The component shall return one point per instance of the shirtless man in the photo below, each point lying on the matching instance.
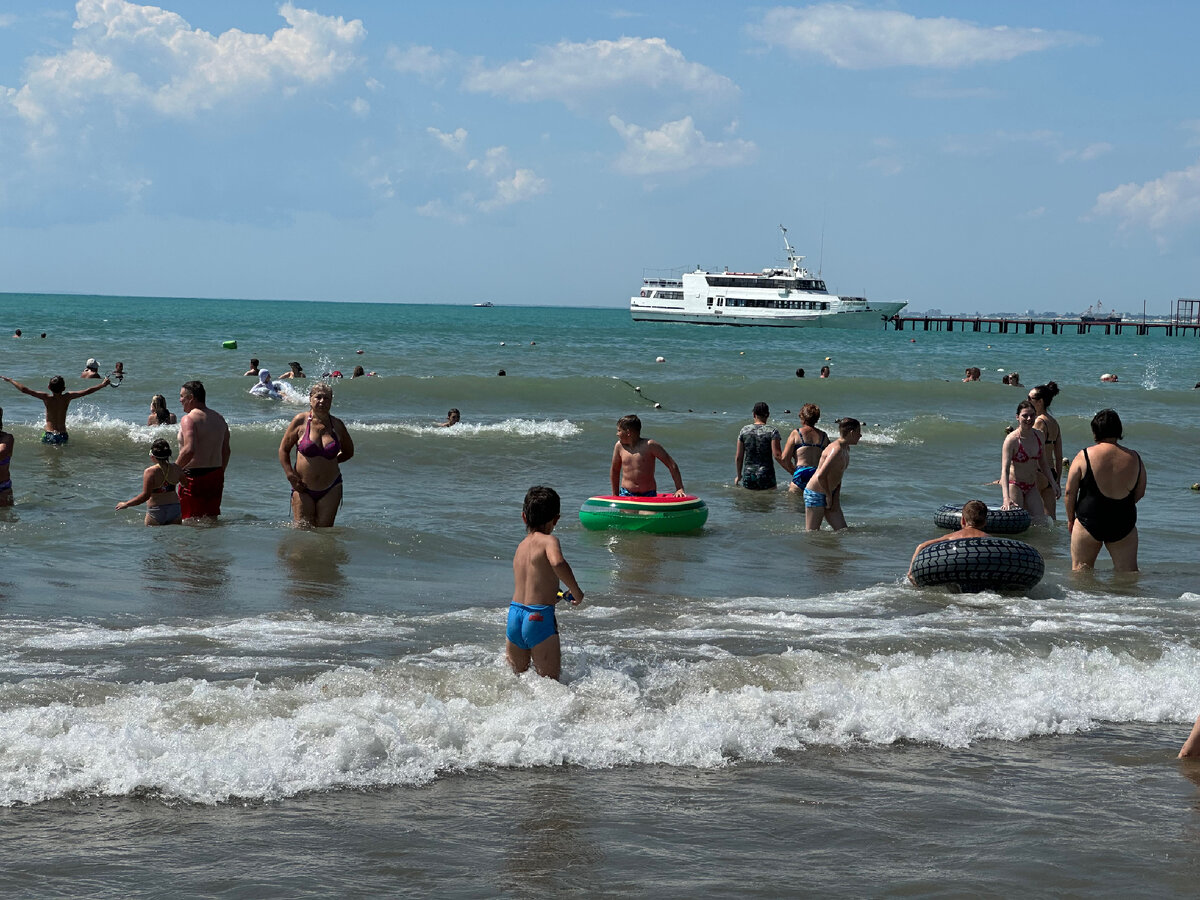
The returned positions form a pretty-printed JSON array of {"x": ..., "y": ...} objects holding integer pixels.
[
  {"x": 203, "y": 454},
  {"x": 974, "y": 516},
  {"x": 632, "y": 472},
  {"x": 823, "y": 495},
  {"x": 56, "y": 400}
]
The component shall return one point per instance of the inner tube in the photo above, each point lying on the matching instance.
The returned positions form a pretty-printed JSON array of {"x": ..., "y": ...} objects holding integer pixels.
[
  {"x": 999, "y": 521},
  {"x": 229, "y": 345},
  {"x": 661, "y": 514},
  {"x": 979, "y": 564}
]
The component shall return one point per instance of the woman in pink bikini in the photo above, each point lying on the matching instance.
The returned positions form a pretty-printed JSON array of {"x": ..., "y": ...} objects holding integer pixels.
[
  {"x": 322, "y": 443},
  {"x": 1022, "y": 457}
]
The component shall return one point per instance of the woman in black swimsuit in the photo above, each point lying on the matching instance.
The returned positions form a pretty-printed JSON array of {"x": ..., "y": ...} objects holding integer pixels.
[{"x": 1104, "y": 485}]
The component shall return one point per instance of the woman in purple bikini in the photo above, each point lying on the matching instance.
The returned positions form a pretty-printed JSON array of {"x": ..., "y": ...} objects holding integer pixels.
[{"x": 322, "y": 443}]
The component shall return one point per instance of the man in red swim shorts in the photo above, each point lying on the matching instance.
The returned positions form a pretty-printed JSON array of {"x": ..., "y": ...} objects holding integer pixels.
[{"x": 203, "y": 454}]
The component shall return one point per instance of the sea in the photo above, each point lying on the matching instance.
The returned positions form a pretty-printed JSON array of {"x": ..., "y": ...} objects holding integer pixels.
[{"x": 251, "y": 710}]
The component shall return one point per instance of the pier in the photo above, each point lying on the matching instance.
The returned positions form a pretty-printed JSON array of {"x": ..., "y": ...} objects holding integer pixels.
[{"x": 1186, "y": 321}]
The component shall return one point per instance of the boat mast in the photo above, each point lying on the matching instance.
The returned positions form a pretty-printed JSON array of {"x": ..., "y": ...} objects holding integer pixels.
[{"x": 793, "y": 259}]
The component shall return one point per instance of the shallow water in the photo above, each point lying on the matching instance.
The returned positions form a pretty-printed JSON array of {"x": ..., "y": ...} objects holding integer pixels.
[{"x": 752, "y": 708}]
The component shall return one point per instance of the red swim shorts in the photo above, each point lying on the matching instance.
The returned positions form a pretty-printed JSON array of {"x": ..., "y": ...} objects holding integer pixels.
[{"x": 200, "y": 494}]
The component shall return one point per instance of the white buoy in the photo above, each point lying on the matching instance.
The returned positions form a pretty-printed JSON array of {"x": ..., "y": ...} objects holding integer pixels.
[{"x": 660, "y": 359}]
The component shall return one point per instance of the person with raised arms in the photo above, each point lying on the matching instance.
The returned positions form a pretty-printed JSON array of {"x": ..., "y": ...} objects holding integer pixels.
[{"x": 56, "y": 400}]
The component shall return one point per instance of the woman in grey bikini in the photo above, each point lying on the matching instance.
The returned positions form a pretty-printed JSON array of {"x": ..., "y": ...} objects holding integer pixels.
[{"x": 158, "y": 488}]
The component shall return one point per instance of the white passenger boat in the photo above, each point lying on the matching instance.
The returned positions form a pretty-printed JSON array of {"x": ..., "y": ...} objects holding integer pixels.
[{"x": 791, "y": 297}]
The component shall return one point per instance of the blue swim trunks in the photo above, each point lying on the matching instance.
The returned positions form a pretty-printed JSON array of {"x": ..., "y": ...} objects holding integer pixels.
[
  {"x": 528, "y": 626},
  {"x": 813, "y": 498},
  {"x": 624, "y": 492},
  {"x": 54, "y": 437},
  {"x": 802, "y": 475}
]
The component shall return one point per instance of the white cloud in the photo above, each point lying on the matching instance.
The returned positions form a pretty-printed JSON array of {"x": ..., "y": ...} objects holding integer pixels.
[
  {"x": 423, "y": 61},
  {"x": 453, "y": 141},
  {"x": 126, "y": 56},
  {"x": 576, "y": 73},
  {"x": 7, "y": 20},
  {"x": 501, "y": 183},
  {"x": 854, "y": 38},
  {"x": 984, "y": 145},
  {"x": 360, "y": 107},
  {"x": 675, "y": 147},
  {"x": 1159, "y": 205}
]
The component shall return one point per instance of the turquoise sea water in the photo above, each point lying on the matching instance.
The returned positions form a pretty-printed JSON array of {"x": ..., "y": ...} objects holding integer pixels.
[{"x": 198, "y": 685}]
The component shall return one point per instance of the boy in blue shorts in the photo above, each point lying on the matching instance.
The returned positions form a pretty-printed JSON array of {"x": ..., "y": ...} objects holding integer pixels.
[{"x": 538, "y": 567}]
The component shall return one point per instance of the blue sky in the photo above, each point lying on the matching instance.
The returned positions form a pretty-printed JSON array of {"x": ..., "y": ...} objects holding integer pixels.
[{"x": 963, "y": 156}]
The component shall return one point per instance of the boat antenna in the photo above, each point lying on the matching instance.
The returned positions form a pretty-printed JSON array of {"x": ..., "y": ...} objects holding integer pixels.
[{"x": 793, "y": 259}]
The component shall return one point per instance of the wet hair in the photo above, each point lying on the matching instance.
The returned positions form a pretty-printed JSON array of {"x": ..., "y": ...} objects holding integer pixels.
[
  {"x": 196, "y": 389},
  {"x": 453, "y": 412},
  {"x": 1045, "y": 392},
  {"x": 295, "y": 367},
  {"x": 1, "y": 416},
  {"x": 57, "y": 385},
  {"x": 1106, "y": 425},
  {"x": 761, "y": 410},
  {"x": 799, "y": 373},
  {"x": 974, "y": 513},
  {"x": 253, "y": 363},
  {"x": 358, "y": 372},
  {"x": 810, "y": 414},
  {"x": 630, "y": 423},
  {"x": 160, "y": 449},
  {"x": 847, "y": 426},
  {"x": 158, "y": 405},
  {"x": 1026, "y": 403},
  {"x": 541, "y": 507},
  {"x": 320, "y": 387}
]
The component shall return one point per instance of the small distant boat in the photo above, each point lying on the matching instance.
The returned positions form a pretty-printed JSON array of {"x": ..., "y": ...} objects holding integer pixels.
[
  {"x": 485, "y": 303},
  {"x": 1096, "y": 313}
]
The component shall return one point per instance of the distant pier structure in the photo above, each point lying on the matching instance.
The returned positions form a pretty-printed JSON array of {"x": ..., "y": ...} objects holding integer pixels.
[{"x": 1186, "y": 321}]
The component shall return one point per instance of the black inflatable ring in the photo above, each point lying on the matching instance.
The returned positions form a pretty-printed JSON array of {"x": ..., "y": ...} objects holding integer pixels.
[
  {"x": 999, "y": 521},
  {"x": 979, "y": 564}
]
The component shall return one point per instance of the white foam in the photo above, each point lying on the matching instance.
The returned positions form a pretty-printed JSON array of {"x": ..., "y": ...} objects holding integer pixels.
[
  {"x": 459, "y": 709},
  {"x": 563, "y": 428}
]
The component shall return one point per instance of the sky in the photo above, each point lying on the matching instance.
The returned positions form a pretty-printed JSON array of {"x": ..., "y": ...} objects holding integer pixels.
[{"x": 961, "y": 156}]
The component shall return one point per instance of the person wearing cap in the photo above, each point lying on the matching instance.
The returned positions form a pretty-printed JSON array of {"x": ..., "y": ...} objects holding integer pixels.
[
  {"x": 158, "y": 488},
  {"x": 91, "y": 369},
  {"x": 56, "y": 400},
  {"x": 266, "y": 387}
]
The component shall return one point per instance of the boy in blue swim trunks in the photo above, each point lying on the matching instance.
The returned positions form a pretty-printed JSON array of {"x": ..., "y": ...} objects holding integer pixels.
[
  {"x": 56, "y": 400},
  {"x": 823, "y": 495},
  {"x": 538, "y": 567},
  {"x": 632, "y": 470}
]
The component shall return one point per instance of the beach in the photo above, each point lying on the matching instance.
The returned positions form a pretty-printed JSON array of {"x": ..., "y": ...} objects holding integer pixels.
[{"x": 255, "y": 710}]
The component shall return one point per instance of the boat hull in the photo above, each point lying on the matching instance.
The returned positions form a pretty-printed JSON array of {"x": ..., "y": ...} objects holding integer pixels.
[{"x": 859, "y": 319}]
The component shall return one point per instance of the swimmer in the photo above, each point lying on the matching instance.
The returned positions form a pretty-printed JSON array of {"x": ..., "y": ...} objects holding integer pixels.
[
  {"x": 296, "y": 371},
  {"x": 322, "y": 444},
  {"x": 159, "y": 414},
  {"x": 1022, "y": 457},
  {"x": 7, "y": 441},
  {"x": 17, "y": 333},
  {"x": 824, "y": 371},
  {"x": 971, "y": 373},
  {"x": 1041, "y": 396},
  {"x": 451, "y": 419},
  {"x": 632, "y": 471},
  {"x": 266, "y": 387},
  {"x": 803, "y": 448},
  {"x": 253, "y": 367},
  {"x": 158, "y": 488},
  {"x": 91, "y": 369},
  {"x": 1108, "y": 376},
  {"x": 56, "y": 399},
  {"x": 823, "y": 495},
  {"x": 538, "y": 568},
  {"x": 974, "y": 517},
  {"x": 757, "y": 451},
  {"x": 799, "y": 373}
]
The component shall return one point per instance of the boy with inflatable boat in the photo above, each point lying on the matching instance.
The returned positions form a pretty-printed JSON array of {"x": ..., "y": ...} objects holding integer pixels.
[{"x": 635, "y": 504}]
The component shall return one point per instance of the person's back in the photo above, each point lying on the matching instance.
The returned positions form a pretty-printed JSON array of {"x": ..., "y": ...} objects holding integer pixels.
[
  {"x": 1115, "y": 469},
  {"x": 531, "y": 634},
  {"x": 974, "y": 517}
]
